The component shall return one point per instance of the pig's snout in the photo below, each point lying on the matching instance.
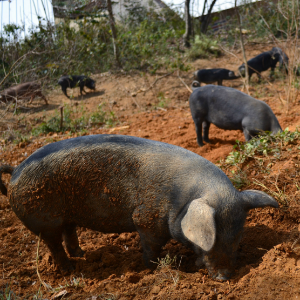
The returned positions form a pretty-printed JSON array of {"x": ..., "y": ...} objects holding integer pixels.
[
  {"x": 222, "y": 274},
  {"x": 242, "y": 71}
]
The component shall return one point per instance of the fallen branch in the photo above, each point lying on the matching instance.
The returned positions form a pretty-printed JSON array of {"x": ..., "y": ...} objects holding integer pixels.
[
  {"x": 18, "y": 60},
  {"x": 185, "y": 84},
  {"x": 152, "y": 85}
]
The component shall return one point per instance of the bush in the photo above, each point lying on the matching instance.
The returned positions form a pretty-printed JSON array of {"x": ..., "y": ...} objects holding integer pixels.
[
  {"x": 202, "y": 47},
  {"x": 86, "y": 47}
]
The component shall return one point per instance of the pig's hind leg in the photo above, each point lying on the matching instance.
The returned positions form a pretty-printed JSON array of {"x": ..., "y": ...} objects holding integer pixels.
[
  {"x": 206, "y": 126},
  {"x": 53, "y": 239},
  {"x": 71, "y": 241},
  {"x": 151, "y": 244},
  {"x": 153, "y": 237},
  {"x": 198, "y": 127}
]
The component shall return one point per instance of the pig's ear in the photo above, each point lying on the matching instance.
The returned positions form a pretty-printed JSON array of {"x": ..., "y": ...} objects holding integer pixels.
[
  {"x": 255, "y": 199},
  {"x": 195, "y": 84},
  {"x": 198, "y": 225}
]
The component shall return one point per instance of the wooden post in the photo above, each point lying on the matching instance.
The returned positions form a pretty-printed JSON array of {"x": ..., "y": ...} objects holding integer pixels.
[{"x": 61, "y": 117}]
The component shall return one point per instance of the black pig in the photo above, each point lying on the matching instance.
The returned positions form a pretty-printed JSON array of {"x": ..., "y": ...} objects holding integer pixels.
[
  {"x": 265, "y": 61},
  {"x": 115, "y": 183},
  {"x": 282, "y": 58},
  {"x": 228, "y": 108},
  {"x": 214, "y": 75},
  {"x": 74, "y": 81}
]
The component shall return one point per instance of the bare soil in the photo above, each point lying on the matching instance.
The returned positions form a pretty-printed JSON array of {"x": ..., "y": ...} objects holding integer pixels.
[{"x": 268, "y": 264}]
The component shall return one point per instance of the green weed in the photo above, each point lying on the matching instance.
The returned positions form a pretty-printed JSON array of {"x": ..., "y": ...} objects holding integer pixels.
[
  {"x": 264, "y": 144},
  {"x": 74, "y": 124},
  {"x": 7, "y": 294},
  {"x": 166, "y": 266},
  {"x": 163, "y": 101},
  {"x": 167, "y": 261},
  {"x": 202, "y": 47},
  {"x": 239, "y": 178}
]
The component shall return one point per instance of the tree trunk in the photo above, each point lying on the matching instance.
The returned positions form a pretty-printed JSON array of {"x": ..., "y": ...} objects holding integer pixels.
[
  {"x": 188, "y": 24},
  {"x": 242, "y": 45},
  {"x": 205, "y": 19},
  {"x": 113, "y": 32}
]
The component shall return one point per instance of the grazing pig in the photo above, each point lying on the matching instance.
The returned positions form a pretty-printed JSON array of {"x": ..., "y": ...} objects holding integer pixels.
[
  {"x": 282, "y": 58},
  {"x": 228, "y": 108},
  {"x": 296, "y": 70},
  {"x": 212, "y": 75},
  {"x": 115, "y": 184},
  {"x": 195, "y": 84},
  {"x": 22, "y": 91},
  {"x": 260, "y": 63},
  {"x": 75, "y": 81}
]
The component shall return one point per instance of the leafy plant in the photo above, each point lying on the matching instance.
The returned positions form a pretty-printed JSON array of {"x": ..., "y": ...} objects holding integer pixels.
[
  {"x": 163, "y": 101},
  {"x": 263, "y": 144},
  {"x": 165, "y": 266},
  {"x": 239, "y": 178},
  {"x": 202, "y": 47},
  {"x": 73, "y": 124}
]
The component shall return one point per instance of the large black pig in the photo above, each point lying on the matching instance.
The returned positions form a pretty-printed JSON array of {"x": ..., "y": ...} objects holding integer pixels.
[
  {"x": 114, "y": 183},
  {"x": 230, "y": 109}
]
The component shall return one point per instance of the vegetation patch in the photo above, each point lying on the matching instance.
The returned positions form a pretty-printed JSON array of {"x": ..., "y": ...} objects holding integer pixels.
[
  {"x": 267, "y": 162},
  {"x": 69, "y": 122}
]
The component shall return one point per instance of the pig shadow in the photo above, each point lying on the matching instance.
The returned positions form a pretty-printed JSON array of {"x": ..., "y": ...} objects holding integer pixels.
[
  {"x": 37, "y": 109},
  {"x": 22, "y": 108},
  {"x": 214, "y": 141},
  {"x": 108, "y": 260},
  {"x": 89, "y": 95},
  {"x": 256, "y": 242}
]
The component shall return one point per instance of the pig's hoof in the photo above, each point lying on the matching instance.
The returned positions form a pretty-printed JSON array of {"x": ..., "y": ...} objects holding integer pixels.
[
  {"x": 199, "y": 262},
  {"x": 67, "y": 269},
  {"x": 76, "y": 252}
]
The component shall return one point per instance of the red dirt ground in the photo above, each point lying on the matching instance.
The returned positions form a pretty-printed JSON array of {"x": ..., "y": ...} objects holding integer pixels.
[{"x": 268, "y": 264}]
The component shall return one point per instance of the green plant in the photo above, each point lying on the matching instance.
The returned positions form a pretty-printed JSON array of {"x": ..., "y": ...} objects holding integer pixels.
[
  {"x": 263, "y": 144},
  {"x": 166, "y": 262},
  {"x": 238, "y": 178},
  {"x": 280, "y": 195},
  {"x": 202, "y": 47},
  {"x": 146, "y": 40},
  {"x": 7, "y": 294},
  {"x": 165, "y": 267},
  {"x": 98, "y": 117},
  {"x": 163, "y": 101},
  {"x": 74, "y": 124}
]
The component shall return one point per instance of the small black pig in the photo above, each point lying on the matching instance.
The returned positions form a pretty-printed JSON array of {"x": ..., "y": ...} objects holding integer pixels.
[
  {"x": 72, "y": 81},
  {"x": 282, "y": 58},
  {"x": 214, "y": 75},
  {"x": 265, "y": 61}
]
